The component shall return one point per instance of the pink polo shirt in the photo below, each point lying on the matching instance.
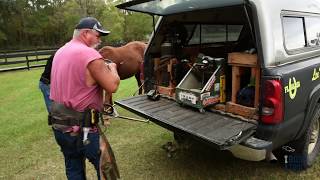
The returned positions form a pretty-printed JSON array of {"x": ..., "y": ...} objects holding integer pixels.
[{"x": 68, "y": 82}]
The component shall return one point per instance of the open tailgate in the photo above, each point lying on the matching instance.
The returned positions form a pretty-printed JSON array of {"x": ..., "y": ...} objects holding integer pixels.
[{"x": 219, "y": 130}]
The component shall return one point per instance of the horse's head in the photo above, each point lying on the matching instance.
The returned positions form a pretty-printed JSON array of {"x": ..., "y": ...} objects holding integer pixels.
[{"x": 128, "y": 57}]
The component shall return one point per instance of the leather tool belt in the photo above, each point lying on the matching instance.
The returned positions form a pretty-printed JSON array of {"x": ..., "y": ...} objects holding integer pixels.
[{"x": 62, "y": 115}]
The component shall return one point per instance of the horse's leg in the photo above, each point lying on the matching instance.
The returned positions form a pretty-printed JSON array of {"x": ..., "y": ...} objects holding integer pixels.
[{"x": 137, "y": 76}]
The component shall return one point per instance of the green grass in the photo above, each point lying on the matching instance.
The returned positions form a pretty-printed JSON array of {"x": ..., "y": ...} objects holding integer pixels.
[{"x": 28, "y": 149}]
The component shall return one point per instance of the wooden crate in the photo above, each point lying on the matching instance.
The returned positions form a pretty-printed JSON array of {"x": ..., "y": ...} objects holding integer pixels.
[
  {"x": 242, "y": 59},
  {"x": 169, "y": 91},
  {"x": 220, "y": 107},
  {"x": 165, "y": 66},
  {"x": 247, "y": 112},
  {"x": 238, "y": 61}
]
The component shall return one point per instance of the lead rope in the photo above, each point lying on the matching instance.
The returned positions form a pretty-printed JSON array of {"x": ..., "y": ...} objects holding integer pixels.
[{"x": 139, "y": 87}]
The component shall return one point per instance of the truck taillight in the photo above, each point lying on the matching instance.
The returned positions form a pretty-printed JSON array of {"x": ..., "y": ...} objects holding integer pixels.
[{"x": 272, "y": 107}]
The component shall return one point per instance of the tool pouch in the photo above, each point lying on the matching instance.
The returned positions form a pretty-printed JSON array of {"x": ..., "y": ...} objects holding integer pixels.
[{"x": 63, "y": 115}]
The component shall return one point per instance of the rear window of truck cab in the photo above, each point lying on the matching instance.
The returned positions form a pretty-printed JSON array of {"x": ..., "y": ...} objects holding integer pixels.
[{"x": 213, "y": 33}]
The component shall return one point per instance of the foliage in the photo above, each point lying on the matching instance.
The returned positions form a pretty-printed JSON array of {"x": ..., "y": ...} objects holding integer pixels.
[
  {"x": 2, "y": 36},
  {"x": 113, "y": 19},
  {"x": 133, "y": 24},
  {"x": 41, "y": 23}
]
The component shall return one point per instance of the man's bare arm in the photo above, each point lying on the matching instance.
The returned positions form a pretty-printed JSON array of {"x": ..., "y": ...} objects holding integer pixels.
[{"x": 105, "y": 75}]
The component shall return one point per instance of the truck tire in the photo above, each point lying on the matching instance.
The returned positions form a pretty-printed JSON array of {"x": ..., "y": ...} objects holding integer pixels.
[{"x": 301, "y": 153}]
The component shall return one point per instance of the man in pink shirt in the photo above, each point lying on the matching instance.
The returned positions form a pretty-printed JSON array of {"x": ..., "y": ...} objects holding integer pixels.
[{"x": 78, "y": 76}]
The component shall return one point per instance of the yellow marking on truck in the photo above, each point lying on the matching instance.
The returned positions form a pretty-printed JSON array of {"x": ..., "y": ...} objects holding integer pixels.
[
  {"x": 292, "y": 88},
  {"x": 316, "y": 74}
]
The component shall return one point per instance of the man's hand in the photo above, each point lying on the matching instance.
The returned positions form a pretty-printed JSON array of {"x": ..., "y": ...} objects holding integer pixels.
[
  {"x": 112, "y": 67},
  {"x": 108, "y": 79}
]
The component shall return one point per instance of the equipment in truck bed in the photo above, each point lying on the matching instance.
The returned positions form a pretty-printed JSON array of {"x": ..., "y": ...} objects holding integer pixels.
[
  {"x": 201, "y": 85},
  {"x": 219, "y": 130}
]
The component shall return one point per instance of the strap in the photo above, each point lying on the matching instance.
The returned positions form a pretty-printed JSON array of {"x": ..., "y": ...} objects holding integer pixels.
[{"x": 66, "y": 122}]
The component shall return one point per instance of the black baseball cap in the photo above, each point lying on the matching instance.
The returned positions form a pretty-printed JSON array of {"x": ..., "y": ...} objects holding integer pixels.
[{"x": 92, "y": 23}]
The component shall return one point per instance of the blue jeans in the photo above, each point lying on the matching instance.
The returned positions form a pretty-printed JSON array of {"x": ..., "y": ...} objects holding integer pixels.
[
  {"x": 75, "y": 153},
  {"x": 45, "y": 89}
]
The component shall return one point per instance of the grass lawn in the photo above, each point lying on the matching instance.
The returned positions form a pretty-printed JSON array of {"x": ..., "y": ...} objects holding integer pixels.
[{"x": 28, "y": 149}]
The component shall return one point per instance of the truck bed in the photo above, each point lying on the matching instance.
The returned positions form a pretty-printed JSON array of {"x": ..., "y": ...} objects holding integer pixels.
[{"x": 219, "y": 130}]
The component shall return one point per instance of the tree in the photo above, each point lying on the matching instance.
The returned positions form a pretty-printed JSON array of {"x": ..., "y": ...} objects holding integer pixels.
[
  {"x": 138, "y": 26},
  {"x": 27, "y": 24},
  {"x": 113, "y": 19}
]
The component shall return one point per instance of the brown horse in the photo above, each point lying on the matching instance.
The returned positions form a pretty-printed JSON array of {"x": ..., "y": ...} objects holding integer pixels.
[{"x": 129, "y": 59}]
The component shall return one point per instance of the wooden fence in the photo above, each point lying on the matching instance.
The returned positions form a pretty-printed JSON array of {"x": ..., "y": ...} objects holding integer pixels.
[
  {"x": 24, "y": 59},
  {"x": 11, "y": 60}
]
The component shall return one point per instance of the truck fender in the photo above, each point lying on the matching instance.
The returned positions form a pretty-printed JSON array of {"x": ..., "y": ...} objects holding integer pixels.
[{"x": 313, "y": 99}]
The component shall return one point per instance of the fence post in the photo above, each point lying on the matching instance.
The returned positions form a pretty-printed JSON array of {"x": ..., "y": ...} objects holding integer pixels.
[
  {"x": 5, "y": 57},
  {"x": 27, "y": 62},
  {"x": 37, "y": 54}
]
